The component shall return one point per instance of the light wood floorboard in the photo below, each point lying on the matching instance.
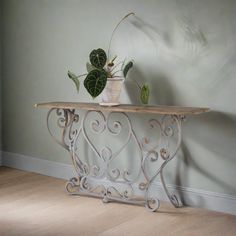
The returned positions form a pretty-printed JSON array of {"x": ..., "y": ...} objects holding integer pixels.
[{"x": 33, "y": 204}]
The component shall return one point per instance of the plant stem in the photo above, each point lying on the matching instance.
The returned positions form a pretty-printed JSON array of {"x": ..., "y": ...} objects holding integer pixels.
[
  {"x": 82, "y": 75},
  {"x": 120, "y": 62},
  {"x": 126, "y": 16},
  {"x": 115, "y": 72},
  {"x": 111, "y": 62},
  {"x": 135, "y": 81}
]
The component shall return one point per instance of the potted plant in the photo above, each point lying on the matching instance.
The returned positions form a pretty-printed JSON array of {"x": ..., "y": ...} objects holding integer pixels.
[{"x": 106, "y": 77}]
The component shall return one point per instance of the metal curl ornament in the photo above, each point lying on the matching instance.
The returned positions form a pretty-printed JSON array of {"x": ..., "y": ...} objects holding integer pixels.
[{"x": 102, "y": 179}]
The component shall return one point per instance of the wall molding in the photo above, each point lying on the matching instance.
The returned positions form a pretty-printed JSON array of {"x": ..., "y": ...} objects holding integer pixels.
[
  {"x": 189, "y": 196},
  {"x": 37, "y": 165}
]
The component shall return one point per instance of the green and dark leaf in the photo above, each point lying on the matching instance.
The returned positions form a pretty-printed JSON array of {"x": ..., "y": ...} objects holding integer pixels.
[
  {"x": 144, "y": 94},
  {"x": 127, "y": 67},
  {"x": 74, "y": 78},
  {"x": 95, "y": 82},
  {"x": 98, "y": 58}
]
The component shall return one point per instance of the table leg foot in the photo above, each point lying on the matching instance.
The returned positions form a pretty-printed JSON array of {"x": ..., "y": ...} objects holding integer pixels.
[
  {"x": 152, "y": 204},
  {"x": 105, "y": 199},
  {"x": 172, "y": 197},
  {"x": 73, "y": 185}
]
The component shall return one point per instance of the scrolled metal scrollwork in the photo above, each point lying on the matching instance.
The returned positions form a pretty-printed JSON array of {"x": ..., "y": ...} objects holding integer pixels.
[
  {"x": 97, "y": 126},
  {"x": 118, "y": 183},
  {"x": 72, "y": 186},
  {"x": 170, "y": 126},
  {"x": 100, "y": 123},
  {"x": 64, "y": 121},
  {"x": 152, "y": 203},
  {"x": 95, "y": 171},
  {"x": 116, "y": 126},
  {"x": 123, "y": 194},
  {"x": 164, "y": 153}
]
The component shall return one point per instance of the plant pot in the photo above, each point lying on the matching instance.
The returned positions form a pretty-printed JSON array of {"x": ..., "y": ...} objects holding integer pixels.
[{"x": 111, "y": 93}]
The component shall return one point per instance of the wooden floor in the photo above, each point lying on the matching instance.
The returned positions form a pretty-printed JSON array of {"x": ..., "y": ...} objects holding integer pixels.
[{"x": 33, "y": 204}]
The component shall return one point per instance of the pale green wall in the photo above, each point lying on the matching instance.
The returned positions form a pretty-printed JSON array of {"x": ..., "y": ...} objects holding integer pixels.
[{"x": 184, "y": 49}]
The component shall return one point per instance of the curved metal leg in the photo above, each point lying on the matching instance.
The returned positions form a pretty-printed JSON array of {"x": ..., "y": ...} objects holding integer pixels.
[
  {"x": 169, "y": 127},
  {"x": 172, "y": 197},
  {"x": 73, "y": 186}
]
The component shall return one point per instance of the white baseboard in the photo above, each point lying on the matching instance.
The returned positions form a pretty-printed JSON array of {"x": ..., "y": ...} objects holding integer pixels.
[
  {"x": 189, "y": 196},
  {"x": 202, "y": 199},
  {"x": 37, "y": 165}
]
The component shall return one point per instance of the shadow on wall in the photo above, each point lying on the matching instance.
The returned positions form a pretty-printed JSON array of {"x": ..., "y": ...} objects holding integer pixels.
[
  {"x": 161, "y": 91},
  {"x": 158, "y": 37},
  {"x": 131, "y": 87},
  {"x": 172, "y": 46},
  {"x": 216, "y": 133},
  {"x": 181, "y": 38}
]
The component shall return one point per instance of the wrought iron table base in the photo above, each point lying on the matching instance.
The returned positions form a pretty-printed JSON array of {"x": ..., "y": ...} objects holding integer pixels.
[
  {"x": 115, "y": 184},
  {"x": 73, "y": 187}
]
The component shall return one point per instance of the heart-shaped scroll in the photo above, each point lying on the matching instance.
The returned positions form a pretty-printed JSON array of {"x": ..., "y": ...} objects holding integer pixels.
[{"x": 96, "y": 123}]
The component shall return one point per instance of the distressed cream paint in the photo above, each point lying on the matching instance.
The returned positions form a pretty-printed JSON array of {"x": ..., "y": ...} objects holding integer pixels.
[{"x": 184, "y": 49}]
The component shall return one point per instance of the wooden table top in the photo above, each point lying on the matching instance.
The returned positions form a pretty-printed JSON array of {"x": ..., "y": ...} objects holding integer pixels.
[{"x": 163, "y": 110}]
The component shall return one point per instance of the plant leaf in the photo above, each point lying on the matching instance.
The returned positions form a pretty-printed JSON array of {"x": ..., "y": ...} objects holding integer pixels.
[
  {"x": 127, "y": 68},
  {"x": 98, "y": 58},
  {"x": 74, "y": 78},
  {"x": 144, "y": 94},
  {"x": 95, "y": 82},
  {"x": 90, "y": 67}
]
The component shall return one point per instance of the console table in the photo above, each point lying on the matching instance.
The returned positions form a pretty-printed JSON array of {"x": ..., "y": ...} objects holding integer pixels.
[{"x": 91, "y": 128}]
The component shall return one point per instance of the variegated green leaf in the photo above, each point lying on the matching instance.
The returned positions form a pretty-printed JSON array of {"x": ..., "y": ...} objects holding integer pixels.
[
  {"x": 98, "y": 58},
  {"x": 127, "y": 67},
  {"x": 144, "y": 95},
  {"x": 74, "y": 78},
  {"x": 95, "y": 82}
]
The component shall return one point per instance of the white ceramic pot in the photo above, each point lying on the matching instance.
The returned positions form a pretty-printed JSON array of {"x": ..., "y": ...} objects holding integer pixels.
[{"x": 111, "y": 93}]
